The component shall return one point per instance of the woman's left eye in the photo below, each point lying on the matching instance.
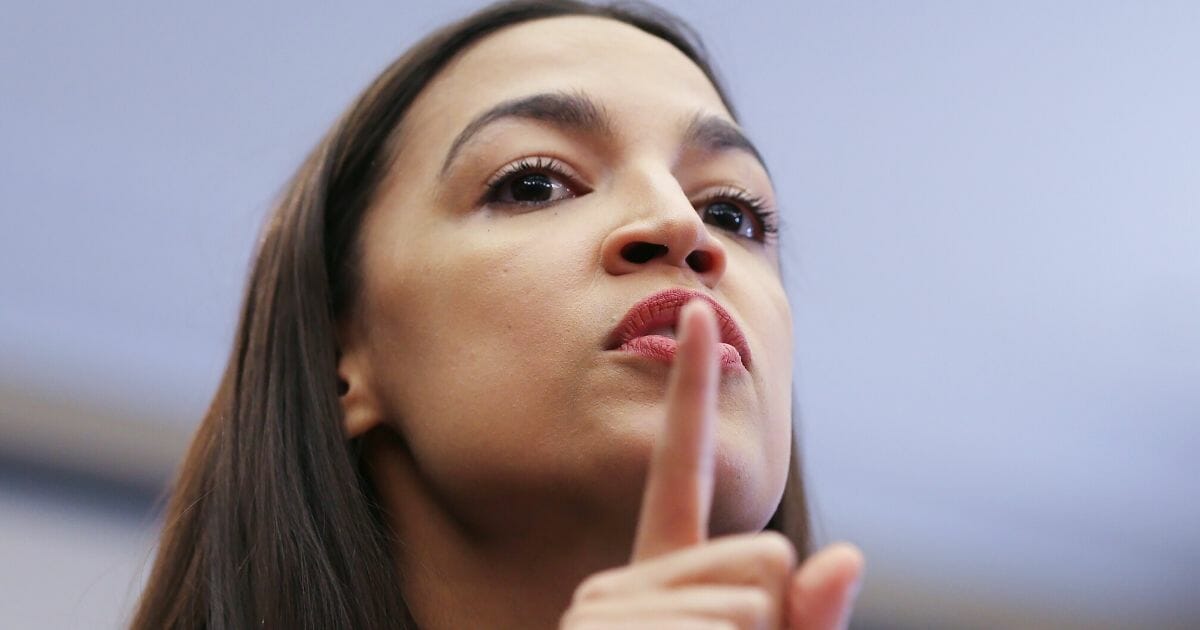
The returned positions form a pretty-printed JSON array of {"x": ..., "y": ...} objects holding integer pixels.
[
  {"x": 730, "y": 217},
  {"x": 740, "y": 213},
  {"x": 530, "y": 184}
]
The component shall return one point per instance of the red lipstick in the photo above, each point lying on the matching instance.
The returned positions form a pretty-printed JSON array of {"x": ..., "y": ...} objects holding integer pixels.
[{"x": 648, "y": 329}]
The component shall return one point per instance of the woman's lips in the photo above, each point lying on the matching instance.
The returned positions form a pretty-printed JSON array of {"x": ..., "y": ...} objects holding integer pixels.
[{"x": 648, "y": 329}]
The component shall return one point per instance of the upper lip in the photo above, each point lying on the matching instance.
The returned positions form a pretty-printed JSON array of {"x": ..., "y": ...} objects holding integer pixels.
[{"x": 662, "y": 309}]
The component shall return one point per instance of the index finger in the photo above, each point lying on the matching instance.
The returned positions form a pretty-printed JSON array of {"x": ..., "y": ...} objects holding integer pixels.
[{"x": 679, "y": 483}]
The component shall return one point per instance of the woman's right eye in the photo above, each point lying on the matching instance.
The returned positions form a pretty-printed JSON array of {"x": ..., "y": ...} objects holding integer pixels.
[
  {"x": 531, "y": 188},
  {"x": 530, "y": 184}
]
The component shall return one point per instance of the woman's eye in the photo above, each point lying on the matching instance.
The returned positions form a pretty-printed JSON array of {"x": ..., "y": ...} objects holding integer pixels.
[
  {"x": 730, "y": 216},
  {"x": 530, "y": 188}
]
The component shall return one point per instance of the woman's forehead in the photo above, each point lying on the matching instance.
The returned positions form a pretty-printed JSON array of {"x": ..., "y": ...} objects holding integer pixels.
[{"x": 625, "y": 70}]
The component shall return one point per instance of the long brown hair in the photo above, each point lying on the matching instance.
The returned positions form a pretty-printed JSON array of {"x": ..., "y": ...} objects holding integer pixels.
[{"x": 273, "y": 521}]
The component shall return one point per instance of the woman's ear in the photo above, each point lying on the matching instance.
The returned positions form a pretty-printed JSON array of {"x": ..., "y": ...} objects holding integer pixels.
[{"x": 361, "y": 410}]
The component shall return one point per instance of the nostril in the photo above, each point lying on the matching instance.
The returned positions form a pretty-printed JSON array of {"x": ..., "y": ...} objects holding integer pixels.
[
  {"x": 700, "y": 261},
  {"x": 641, "y": 252}
]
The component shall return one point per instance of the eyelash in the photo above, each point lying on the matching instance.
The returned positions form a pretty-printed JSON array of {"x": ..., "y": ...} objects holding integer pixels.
[
  {"x": 755, "y": 205},
  {"x": 526, "y": 166}
]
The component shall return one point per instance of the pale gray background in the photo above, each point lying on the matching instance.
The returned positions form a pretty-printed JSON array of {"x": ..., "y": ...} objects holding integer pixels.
[{"x": 993, "y": 218}]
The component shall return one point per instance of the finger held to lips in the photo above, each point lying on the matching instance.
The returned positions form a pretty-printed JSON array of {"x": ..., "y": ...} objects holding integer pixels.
[{"x": 679, "y": 483}]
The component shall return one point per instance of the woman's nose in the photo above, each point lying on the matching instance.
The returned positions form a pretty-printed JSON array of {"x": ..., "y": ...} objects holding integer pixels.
[{"x": 674, "y": 236}]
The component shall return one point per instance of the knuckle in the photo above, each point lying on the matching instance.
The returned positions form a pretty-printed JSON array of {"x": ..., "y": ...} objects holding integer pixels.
[
  {"x": 574, "y": 619},
  {"x": 596, "y": 586},
  {"x": 754, "y": 608},
  {"x": 775, "y": 553},
  {"x": 759, "y": 604}
]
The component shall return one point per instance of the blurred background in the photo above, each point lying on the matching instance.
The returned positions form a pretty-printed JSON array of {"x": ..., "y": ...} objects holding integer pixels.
[{"x": 993, "y": 251}]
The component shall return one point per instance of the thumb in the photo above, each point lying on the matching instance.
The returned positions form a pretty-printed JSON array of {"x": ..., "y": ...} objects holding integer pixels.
[{"x": 823, "y": 589}]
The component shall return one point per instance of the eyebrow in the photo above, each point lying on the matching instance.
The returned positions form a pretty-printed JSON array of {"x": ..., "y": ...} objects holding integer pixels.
[
  {"x": 577, "y": 112},
  {"x": 714, "y": 134},
  {"x": 569, "y": 111}
]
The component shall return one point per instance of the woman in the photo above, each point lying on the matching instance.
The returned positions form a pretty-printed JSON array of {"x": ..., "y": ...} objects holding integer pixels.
[{"x": 448, "y": 402}]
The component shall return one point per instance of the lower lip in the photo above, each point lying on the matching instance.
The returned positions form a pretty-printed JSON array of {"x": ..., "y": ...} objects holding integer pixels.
[{"x": 660, "y": 348}]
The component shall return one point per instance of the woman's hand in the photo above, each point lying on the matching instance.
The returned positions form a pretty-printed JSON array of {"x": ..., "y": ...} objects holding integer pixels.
[{"x": 678, "y": 578}]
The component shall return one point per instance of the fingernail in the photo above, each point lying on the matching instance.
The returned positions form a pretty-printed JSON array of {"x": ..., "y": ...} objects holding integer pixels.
[{"x": 687, "y": 316}]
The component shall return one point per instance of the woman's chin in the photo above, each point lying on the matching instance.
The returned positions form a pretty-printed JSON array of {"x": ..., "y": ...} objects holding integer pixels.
[
  {"x": 746, "y": 493},
  {"x": 749, "y": 477}
]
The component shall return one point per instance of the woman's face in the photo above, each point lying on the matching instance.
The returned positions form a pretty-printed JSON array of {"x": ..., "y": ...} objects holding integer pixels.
[{"x": 554, "y": 175}]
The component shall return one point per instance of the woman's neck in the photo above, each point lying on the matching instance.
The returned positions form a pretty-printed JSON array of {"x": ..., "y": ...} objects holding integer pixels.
[{"x": 453, "y": 577}]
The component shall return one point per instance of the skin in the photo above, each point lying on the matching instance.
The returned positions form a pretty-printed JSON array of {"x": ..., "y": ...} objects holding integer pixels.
[{"x": 515, "y": 456}]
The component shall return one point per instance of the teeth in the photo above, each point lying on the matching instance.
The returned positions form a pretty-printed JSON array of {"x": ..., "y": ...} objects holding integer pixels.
[{"x": 664, "y": 331}]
